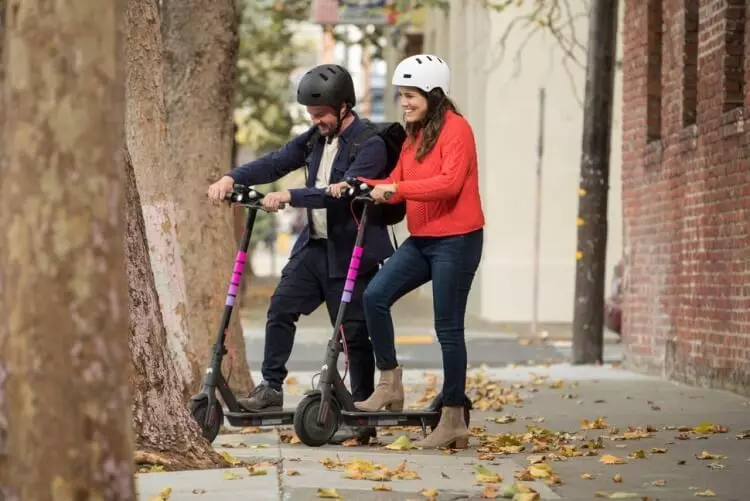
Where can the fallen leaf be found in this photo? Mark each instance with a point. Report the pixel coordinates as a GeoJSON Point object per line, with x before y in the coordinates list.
{"type": "Point", "coordinates": [610, 459]}
{"type": "Point", "coordinates": [198, 491]}
{"type": "Point", "coordinates": [558, 383]}
{"type": "Point", "coordinates": [292, 473]}
{"type": "Point", "coordinates": [708, 493]}
{"type": "Point", "coordinates": [229, 458]}
{"type": "Point", "coordinates": [352, 442]}
{"type": "Point", "coordinates": [230, 475]}
{"type": "Point", "coordinates": [539, 458]}
{"type": "Point", "coordinates": [616, 495]}
{"type": "Point", "coordinates": [597, 424]}
{"type": "Point", "coordinates": [640, 453]}
{"type": "Point", "coordinates": [745, 434]}
{"type": "Point", "coordinates": [657, 450]}
{"type": "Point", "coordinates": [659, 483]}
{"type": "Point", "coordinates": [708, 455]}
{"type": "Point", "coordinates": [710, 428]}
{"type": "Point", "coordinates": [490, 492]}
{"type": "Point", "coordinates": [486, 476]}
{"type": "Point", "coordinates": [382, 487]}
{"type": "Point", "coordinates": [502, 419]}
{"type": "Point", "coordinates": [255, 471]}
{"type": "Point", "coordinates": [163, 495]}
{"type": "Point", "coordinates": [429, 493]}
{"type": "Point", "coordinates": [617, 478]}
{"type": "Point", "coordinates": [402, 443]}
{"type": "Point", "coordinates": [587, 476]}
{"type": "Point", "coordinates": [328, 493]}
{"type": "Point", "coordinates": [157, 468]}
{"type": "Point", "coordinates": [716, 466]}
{"type": "Point", "coordinates": [444, 475]}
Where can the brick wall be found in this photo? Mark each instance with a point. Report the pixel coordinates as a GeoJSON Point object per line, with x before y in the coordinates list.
{"type": "Point", "coordinates": [686, 190]}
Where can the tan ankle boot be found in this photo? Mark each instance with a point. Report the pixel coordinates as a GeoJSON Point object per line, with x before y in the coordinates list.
{"type": "Point", "coordinates": [450, 432]}
{"type": "Point", "coordinates": [388, 394]}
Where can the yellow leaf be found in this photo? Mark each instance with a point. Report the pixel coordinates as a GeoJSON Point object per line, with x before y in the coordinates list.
{"type": "Point", "coordinates": [657, 450]}
{"type": "Point", "coordinates": [617, 495]}
{"type": "Point", "coordinates": [163, 495]}
{"type": "Point", "coordinates": [490, 492]}
{"type": "Point", "coordinates": [597, 424]}
{"type": "Point", "coordinates": [402, 443]}
{"type": "Point", "coordinates": [640, 453]}
{"type": "Point", "coordinates": [230, 475]}
{"type": "Point", "coordinates": [708, 455]}
{"type": "Point", "coordinates": [487, 476]}
{"type": "Point", "coordinates": [255, 471]}
{"type": "Point", "coordinates": [229, 458]}
{"type": "Point", "coordinates": [526, 496]}
{"type": "Point", "coordinates": [429, 493]}
{"type": "Point", "coordinates": [708, 493]}
{"type": "Point", "coordinates": [610, 459]}
{"type": "Point", "coordinates": [617, 478]}
{"type": "Point", "coordinates": [328, 493]}
{"type": "Point", "coordinates": [587, 476]}
{"type": "Point", "coordinates": [382, 487]}
{"type": "Point", "coordinates": [538, 472]}
{"type": "Point", "coordinates": [556, 384]}
{"type": "Point", "coordinates": [502, 419]}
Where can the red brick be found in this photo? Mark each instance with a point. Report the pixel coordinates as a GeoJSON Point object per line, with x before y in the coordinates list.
{"type": "Point", "coordinates": [686, 190]}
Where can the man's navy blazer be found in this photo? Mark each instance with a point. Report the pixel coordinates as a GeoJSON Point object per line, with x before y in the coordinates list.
{"type": "Point", "coordinates": [370, 162]}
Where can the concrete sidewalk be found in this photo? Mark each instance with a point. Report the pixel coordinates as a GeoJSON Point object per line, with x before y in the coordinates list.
{"type": "Point", "coordinates": [540, 407]}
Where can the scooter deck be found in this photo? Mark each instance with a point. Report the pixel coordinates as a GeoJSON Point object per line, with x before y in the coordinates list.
{"type": "Point", "coordinates": [264, 418]}
{"type": "Point", "coordinates": [385, 418]}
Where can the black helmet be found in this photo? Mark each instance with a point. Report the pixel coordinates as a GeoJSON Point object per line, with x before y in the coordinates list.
{"type": "Point", "coordinates": [326, 85]}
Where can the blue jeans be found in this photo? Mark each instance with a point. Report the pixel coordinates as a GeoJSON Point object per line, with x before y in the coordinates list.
{"type": "Point", "coordinates": [451, 263]}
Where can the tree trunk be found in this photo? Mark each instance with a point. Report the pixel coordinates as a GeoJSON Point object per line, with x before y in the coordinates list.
{"type": "Point", "coordinates": [201, 44]}
{"type": "Point", "coordinates": [145, 125]}
{"type": "Point", "coordinates": [65, 291]}
{"type": "Point", "coordinates": [3, 325]}
{"type": "Point", "coordinates": [165, 433]}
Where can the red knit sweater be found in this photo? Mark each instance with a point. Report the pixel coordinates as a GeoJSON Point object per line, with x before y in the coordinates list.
{"type": "Point", "coordinates": [441, 192]}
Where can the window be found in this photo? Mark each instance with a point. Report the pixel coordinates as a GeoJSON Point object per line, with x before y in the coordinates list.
{"type": "Point", "coordinates": [690, 63]}
{"type": "Point", "coordinates": [653, 74]}
{"type": "Point", "coordinates": [734, 55]}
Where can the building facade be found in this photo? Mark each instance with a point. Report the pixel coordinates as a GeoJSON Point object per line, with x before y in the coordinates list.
{"type": "Point", "coordinates": [500, 98]}
{"type": "Point", "coordinates": [686, 190]}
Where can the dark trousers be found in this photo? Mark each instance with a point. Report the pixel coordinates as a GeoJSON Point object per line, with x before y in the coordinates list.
{"type": "Point", "coordinates": [450, 262]}
{"type": "Point", "coordinates": [303, 287]}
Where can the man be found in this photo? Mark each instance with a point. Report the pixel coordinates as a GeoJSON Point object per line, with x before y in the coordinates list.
{"type": "Point", "coordinates": [317, 267]}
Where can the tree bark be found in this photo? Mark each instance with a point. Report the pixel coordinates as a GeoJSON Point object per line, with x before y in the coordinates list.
{"type": "Point", "coordinates": [145, 125]}
{"type": "Point", "coordinates": [3, 291]}
{"type": "Point", "coordinates": [201, 45]}
{"type": "Point", "coordinates": [165, 432]}
{"type": "Point", "coordinates": [64, 284]}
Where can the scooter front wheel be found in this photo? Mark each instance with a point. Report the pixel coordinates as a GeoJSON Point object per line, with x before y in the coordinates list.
{"type": "Point", "coordinates": [198, 410]}
{"type": "Point", "coordinates": [306, 425]}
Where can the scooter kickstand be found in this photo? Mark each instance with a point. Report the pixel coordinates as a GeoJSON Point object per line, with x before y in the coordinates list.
{"type": "Point", "coordinates": [424, 427]}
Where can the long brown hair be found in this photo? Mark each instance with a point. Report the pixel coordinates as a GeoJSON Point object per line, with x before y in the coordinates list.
{"type": "Point", "coordinates": [438, 104]}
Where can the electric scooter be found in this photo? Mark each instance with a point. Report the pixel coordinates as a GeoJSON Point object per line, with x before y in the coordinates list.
{"type": "Point", "coordinates": [205, 408]}
{"type": "Point", "coordinates": [322, 410]}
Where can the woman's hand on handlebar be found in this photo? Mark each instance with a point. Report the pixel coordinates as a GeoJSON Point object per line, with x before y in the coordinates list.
{"type": "Point", "coordinates": [218, 191]}
{"type": "Point", "coordinates": [336, 190]}
{"type": "Point", "coordinates": [378, 193]}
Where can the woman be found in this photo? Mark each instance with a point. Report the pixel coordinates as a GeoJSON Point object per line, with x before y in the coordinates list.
{"type": "Point", "coordinates": [437, 176]}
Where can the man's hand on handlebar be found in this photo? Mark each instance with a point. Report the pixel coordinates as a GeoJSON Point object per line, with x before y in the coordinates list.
{"type": "Point", "coordinates": [276, 200]}
{"type": "Point", "coordinates": [336, 190]}
{"type": "Point", "coordinates": [218, 191]}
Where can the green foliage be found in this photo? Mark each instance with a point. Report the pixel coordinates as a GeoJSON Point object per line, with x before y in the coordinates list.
{"type": "Point", "coordinates": [267, 56]}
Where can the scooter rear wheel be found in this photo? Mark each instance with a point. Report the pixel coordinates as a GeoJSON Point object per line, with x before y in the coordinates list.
{"type": "Point", "coordinates": [306, 426]}
{"type": "Point", "coordinates": [198, 411]}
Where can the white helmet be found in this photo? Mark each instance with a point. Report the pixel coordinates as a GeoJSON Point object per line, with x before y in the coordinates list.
{"type": "Point", "coordinates": [423, 71]}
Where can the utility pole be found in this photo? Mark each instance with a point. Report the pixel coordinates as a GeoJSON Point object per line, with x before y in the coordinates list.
{"type": "Point", "coordinates": [591, 253]}
{"type": "Point", "coordinates": [538, 216]}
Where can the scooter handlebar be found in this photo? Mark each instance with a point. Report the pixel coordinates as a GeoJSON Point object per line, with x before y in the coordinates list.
{"type": "Point", "coordinates": [247, 196]}
{"type": "Point", "coordinates": [358, 189]}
